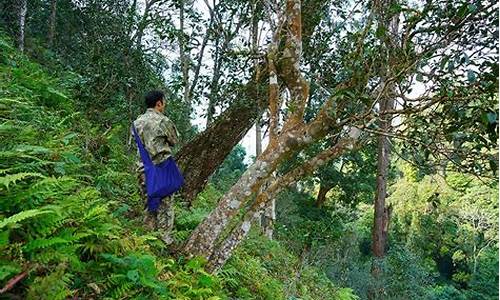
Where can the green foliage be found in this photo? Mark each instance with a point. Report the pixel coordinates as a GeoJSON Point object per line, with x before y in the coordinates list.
{"type": "Point", "coordinates": [437, 230]}
{"type": "Point", "coordinates": [191, 281]}
{"type": "Point", "coordinates": [131, 274]}
{"type": "Point", "coordinates": [302, 224]}
{"type": "Point", "coordinates": [56, 285]}
{"type": "Point", "coordinates": [230, 170]}
{"type": "Point", "coordinates": [483, 284]}
{"type": "Point", "coordinates": [22, 216]}
{"type": "Point", "coordinates": [264, 269]}
{"type": "Point", "coordinates": [186, 220]}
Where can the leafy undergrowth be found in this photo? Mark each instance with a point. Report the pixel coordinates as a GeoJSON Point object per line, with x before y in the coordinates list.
{"type": "Point", "coordinates": [70, 212]}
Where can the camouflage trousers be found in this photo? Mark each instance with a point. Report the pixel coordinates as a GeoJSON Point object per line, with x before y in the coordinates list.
{"type": "Point", "coordinates": [161, 220]}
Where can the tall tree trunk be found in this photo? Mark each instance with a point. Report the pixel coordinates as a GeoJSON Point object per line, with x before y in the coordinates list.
{"type": "Point", "coordinates": [184, 58]}
{"type": "Point", "coordinates": [52, 22]}
{"type": "Point", "coordinates": [258, 129]}
{"type": "Point", "coordinates": [23, 9]}
{"type": "Point", "coordinates": [386, 103]}
{"type": "Point", "coordinates": [381, 212]}
{"type": "Point", "coordinates": [255, 46]}
{"type": "Point", "coordinates": [214, 85]}
{"type": "Point", "coordinates": [380, 222]}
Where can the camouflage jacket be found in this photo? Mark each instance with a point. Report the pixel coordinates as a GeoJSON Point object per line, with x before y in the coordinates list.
{"type": "Point", "coordinates": [157, 133]}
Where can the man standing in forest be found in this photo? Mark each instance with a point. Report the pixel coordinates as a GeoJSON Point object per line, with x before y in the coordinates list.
{"type": "Point", "coordinates": [158, 134]}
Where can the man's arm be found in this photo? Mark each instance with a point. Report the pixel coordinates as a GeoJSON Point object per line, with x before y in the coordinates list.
{"type": "Point", "coordinates": [170, 132]}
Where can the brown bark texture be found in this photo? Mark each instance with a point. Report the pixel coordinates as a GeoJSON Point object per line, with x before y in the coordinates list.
{"type": "Point", "coordinates": [386, 103]}
{"type": "Point", "coordinates": [379, 233]}
{"type": "Point", "coordinates": [200, 157]}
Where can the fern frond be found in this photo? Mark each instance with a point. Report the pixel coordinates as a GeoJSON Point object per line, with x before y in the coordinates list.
{"type": "Point", "coordinates": [13, 178]}
{"type": "Point", "coordinates": [44, 243]}
{"type": "Point", "coordinates": [22, 216]}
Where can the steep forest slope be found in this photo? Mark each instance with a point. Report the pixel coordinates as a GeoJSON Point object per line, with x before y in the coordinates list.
{"type": "Point", "coordinates": [70, 211]}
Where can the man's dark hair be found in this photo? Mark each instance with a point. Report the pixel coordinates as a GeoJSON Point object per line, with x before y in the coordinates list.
{"type": "Point", "coordinates": [153, 97]}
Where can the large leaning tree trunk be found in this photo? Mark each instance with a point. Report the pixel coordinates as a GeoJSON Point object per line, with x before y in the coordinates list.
{"type": "Point", "coordinates": [219, 255]}
{"type": "Point", "coordinates": [201, 157]}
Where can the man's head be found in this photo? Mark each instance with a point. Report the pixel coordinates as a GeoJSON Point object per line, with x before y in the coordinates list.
{"type": "Point", "coordinates": [155, 99]}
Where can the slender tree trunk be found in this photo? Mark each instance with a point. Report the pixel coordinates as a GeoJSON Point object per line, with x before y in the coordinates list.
{"type": "Point", "coordinates": [214, 85]}
{"type": "Point", "coordinates": [142, 23]}
{"type": "Point", "coordinates": [267, 215]}
{"type": "Point", "coordinates": [258, 138]}
{"type": "Point", "coordinates": [379, 234]}
{"type": "Point", "coordinates": [255, 45]}
{"type": "Point", "coordinates": [184, 55]}
{"type": "Point", "coordinates": [52, 22]}
{"type": "Point", "coordinates": [220, 52]}
{"type": "Point", "coordinates": [23, 9]}
{"type": "Point", "coordinates": [196, 69]}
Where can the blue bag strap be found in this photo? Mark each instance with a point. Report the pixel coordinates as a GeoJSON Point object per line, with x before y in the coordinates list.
{"type": "Point", "coordinates": [146, 160]}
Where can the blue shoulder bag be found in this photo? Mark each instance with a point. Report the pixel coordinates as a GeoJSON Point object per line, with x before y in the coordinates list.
{"type": "Point", "coordinates": [162, 180]}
